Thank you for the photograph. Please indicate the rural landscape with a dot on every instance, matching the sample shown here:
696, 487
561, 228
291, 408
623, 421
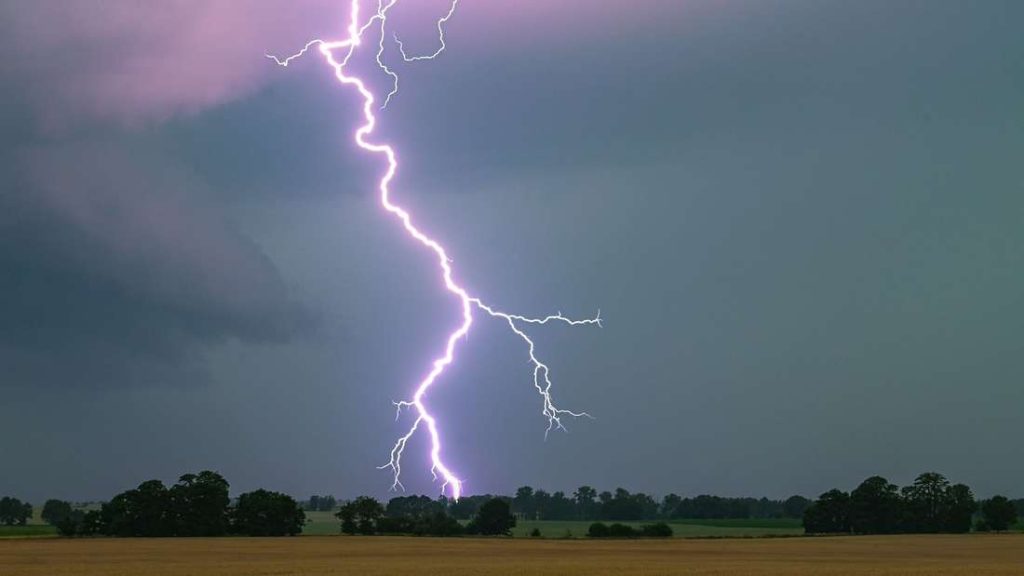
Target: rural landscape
196, 527
511, 287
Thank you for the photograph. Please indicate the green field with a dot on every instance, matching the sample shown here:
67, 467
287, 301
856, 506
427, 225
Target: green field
324, 523
28, 531
321, 524
681, 528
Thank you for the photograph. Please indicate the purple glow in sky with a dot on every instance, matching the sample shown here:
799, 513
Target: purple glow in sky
541, 379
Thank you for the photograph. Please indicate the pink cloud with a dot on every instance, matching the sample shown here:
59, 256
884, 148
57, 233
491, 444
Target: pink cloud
137, 62
134, 62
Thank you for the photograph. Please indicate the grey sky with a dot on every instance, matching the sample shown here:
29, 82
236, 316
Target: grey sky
802, 222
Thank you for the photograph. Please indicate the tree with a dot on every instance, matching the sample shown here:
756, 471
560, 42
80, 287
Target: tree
467, 506
413, 507
794, 507
493, 519
347, 515
54, 511
541, 504
144, 511
875, 507
626, 506
669, 504
707, 506
584, 497
327, 503
926, 503
360, 515
14, 511
998, 513
560, 507
266, 513
960, 508
200, 504
524, 504
829, 514
320, 503
69, 524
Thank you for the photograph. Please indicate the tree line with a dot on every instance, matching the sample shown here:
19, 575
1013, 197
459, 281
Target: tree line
492, 516
586, 503
197, 505
318, 503
423, 516
930, 505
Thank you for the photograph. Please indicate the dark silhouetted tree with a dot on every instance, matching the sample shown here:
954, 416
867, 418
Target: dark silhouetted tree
54, 511
960, 509
998, 513
524, 503
144, 511
318, 503
200, 504
413, 507
14, 511
494, 518
875, 507
347, 515
794, 507
669, 504
360, 515
266, 513
926, 504
467, 506
585, 499
830, 513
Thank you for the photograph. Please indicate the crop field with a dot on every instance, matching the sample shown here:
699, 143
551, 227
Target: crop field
939, 555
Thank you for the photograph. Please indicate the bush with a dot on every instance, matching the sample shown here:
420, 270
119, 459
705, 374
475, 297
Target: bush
657, 530
598, 530
617, 530
535, 533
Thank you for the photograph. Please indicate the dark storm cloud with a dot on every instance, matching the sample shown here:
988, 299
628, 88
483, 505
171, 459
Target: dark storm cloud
119, 266
110, 256
800, 220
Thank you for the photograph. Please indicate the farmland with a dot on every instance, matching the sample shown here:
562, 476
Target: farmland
324, 523
339, 556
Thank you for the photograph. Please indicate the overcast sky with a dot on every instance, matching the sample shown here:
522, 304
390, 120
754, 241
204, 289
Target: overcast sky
802, 221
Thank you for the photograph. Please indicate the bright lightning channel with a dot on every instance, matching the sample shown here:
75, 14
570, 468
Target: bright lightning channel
331, 50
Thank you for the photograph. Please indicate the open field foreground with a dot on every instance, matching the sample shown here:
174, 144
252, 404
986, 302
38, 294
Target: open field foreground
311, 556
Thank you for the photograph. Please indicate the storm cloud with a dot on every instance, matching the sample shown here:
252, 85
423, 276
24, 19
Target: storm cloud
801, 222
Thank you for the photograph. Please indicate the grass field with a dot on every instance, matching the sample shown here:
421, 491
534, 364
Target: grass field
321, 524
939, 555
29, 531
324, 523
681, 529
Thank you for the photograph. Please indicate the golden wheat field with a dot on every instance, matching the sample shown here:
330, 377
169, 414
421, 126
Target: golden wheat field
886, 555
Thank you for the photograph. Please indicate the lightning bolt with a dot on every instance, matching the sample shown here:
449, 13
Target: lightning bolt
337, 55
